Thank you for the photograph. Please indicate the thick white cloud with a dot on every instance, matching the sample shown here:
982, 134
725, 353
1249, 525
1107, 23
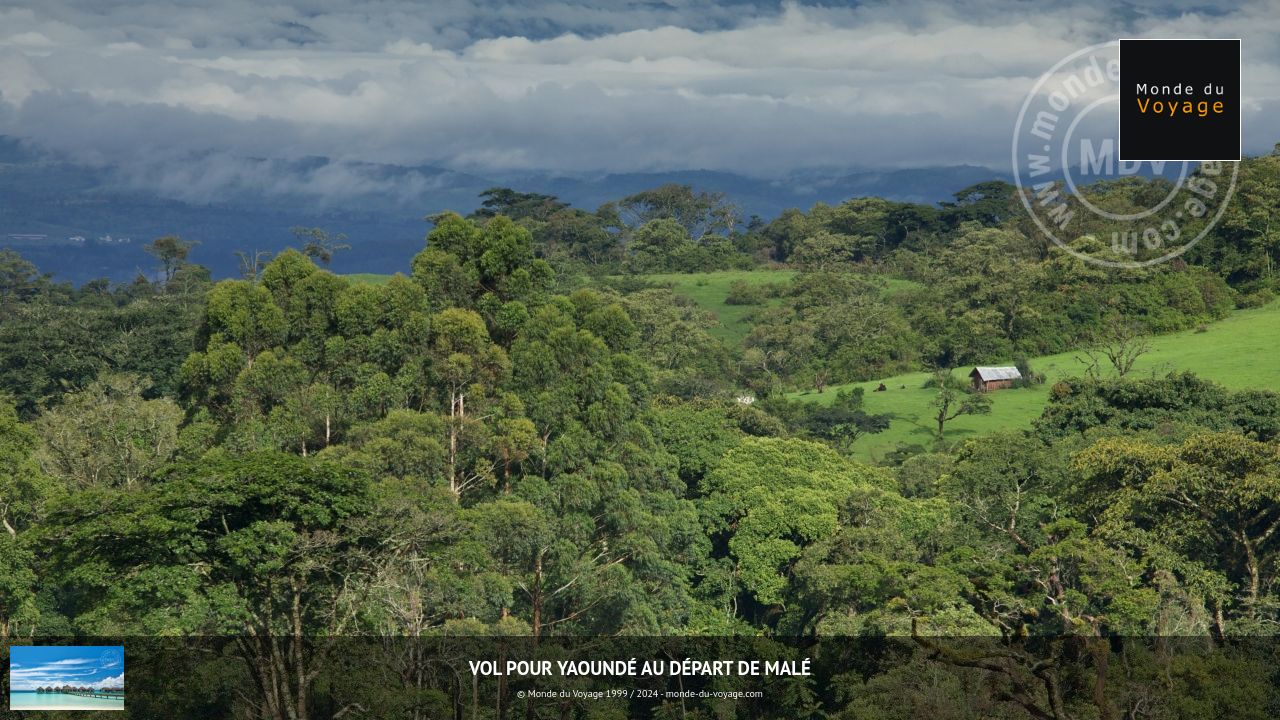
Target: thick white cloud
114, 681
754, 88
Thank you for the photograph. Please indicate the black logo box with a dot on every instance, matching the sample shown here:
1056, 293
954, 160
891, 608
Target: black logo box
1180, 64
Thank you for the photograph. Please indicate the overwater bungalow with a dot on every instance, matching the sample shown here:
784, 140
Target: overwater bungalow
106, 692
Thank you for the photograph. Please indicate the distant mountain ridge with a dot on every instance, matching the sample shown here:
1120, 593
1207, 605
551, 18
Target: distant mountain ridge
232, 203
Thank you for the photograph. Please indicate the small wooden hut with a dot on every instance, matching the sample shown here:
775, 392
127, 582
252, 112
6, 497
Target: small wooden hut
986, 379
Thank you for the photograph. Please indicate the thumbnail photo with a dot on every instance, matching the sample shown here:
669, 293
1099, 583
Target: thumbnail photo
66, 677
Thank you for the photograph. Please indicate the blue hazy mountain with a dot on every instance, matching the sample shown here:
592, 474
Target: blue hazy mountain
81, 221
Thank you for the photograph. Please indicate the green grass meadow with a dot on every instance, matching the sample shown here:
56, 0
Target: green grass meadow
709, 290
1242, 351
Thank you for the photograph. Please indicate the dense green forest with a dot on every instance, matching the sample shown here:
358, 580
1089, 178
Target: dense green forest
530, 434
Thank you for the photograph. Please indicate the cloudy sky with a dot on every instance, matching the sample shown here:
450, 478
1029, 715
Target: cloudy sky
760, 88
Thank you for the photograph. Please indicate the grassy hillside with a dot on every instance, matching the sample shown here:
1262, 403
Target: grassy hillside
709, 290
1238, 352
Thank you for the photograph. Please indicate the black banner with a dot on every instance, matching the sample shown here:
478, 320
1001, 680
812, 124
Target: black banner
509, 678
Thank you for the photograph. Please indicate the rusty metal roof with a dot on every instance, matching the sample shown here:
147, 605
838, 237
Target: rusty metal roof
996, 373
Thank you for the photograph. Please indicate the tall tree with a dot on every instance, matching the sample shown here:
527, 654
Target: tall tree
698, 212
1122, 342
769, 498
467, 364
19, 279
23, 488
465, 265
318, 244
954, 400
24, 491
268, 548
108, 435
1212, 501
18, 586
246, 314
171, 251
517, 205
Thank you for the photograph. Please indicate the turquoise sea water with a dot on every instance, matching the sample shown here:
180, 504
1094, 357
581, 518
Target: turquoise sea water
31, 700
